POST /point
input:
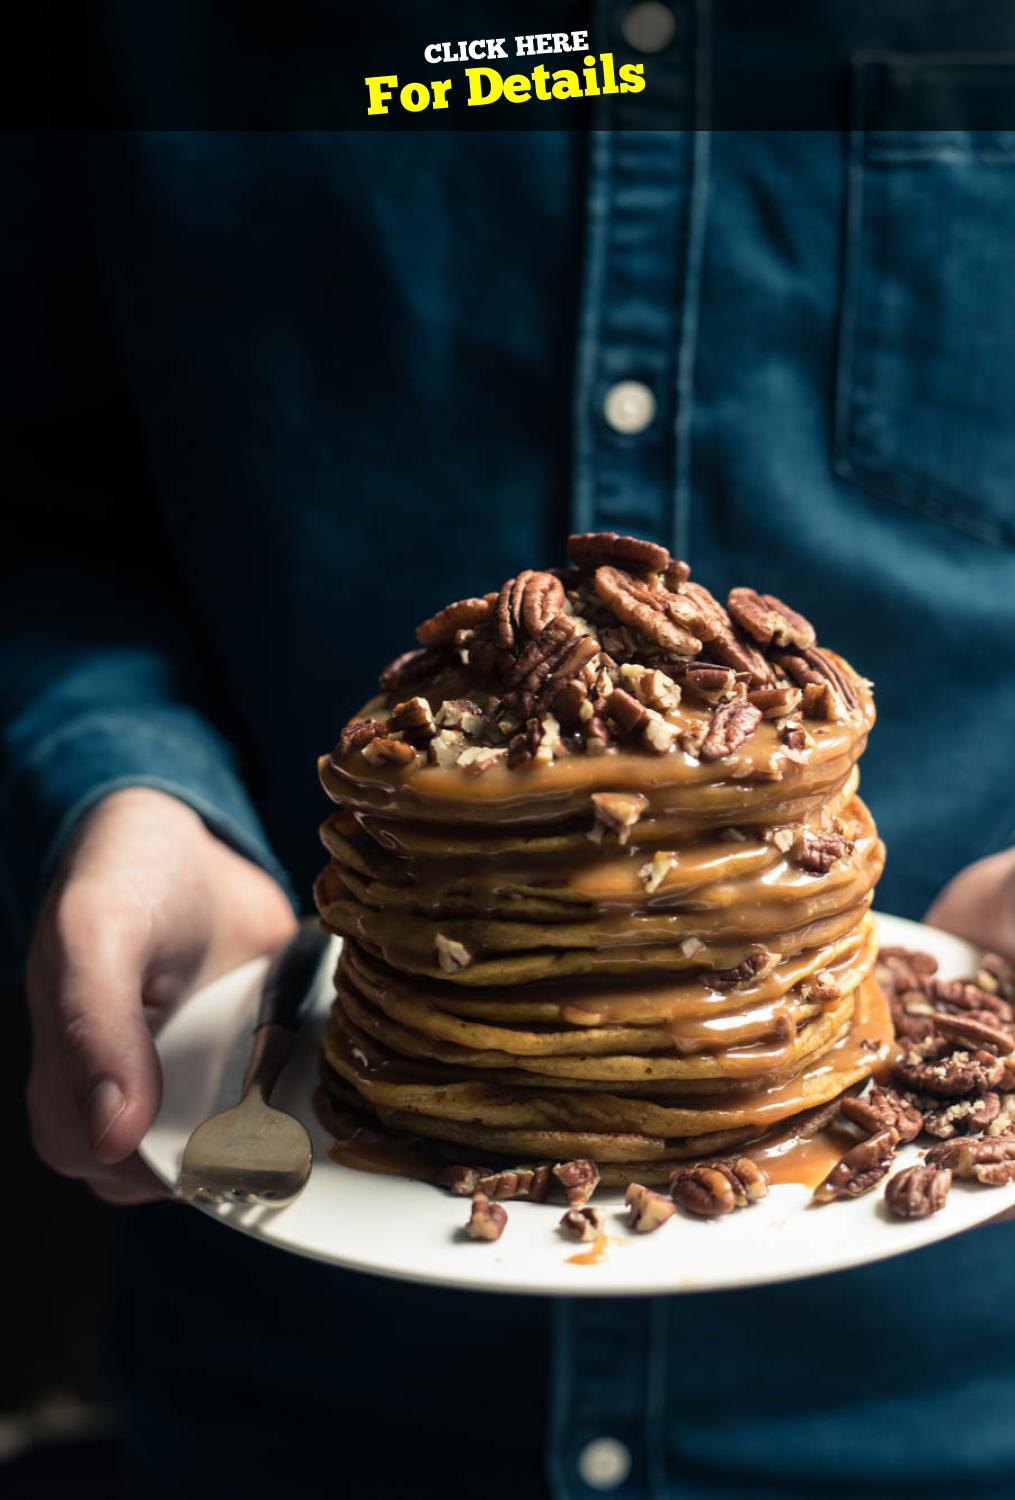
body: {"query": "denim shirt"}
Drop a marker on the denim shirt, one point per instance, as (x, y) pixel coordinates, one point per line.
(281, 395)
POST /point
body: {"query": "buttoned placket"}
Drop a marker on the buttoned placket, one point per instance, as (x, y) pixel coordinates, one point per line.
(646, 201)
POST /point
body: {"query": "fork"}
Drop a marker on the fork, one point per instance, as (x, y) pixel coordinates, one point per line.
(252, 1153)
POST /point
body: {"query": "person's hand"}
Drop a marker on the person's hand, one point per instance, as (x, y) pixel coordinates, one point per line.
(146, 905)
(979, 904)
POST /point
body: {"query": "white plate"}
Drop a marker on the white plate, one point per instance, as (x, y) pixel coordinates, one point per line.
(393, 1227)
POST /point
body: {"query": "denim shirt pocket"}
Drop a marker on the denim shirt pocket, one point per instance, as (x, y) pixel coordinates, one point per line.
(925, 386)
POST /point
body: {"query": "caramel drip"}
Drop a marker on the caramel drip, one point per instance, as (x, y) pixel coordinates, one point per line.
(594, 1255)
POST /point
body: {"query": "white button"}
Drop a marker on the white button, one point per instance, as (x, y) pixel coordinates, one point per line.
(604, 1463)
(629, 406)
(649, 27)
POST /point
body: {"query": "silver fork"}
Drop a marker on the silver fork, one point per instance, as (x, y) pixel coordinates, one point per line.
(252, 1153)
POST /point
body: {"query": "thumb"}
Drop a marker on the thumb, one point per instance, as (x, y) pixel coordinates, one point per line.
(105, 1049)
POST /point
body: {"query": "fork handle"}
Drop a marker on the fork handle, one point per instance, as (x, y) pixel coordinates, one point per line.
(268, 1056)
(284, 993)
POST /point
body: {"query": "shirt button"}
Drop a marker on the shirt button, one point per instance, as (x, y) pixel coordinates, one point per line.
(648, 27)
(629, 406)
(604, 1463)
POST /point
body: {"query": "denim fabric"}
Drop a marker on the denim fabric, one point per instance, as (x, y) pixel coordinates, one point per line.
(282, 395)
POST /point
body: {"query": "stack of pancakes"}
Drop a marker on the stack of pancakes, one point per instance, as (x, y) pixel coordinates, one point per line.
(602, 874)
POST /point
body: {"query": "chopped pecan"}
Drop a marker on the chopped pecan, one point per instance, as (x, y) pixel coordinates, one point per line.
(821, 988)
(710, 683)
(385, 750)
(917, 1192)
(963, 1116)
(579, 1179)
(647, 1210)
(634, 604)
(597, 736)
(860, 1169)
(755, 966)
(705, 1190)
(414, 719)
(452, 956)
(463, 1181)
(795, 737)
(445, 747)
(479, 758)
(732, 724)
(884, 1109)
(414, 666)
(949, 1074)
(768, 620)
(524, 745)
(650, 686)
(990, 1161)
(440, 629)
(654, 872)
(627, 713)
(568, 704)
(619, 811)
(1004, 1124)
(517, 1182)
(590, 549)
(583, 1223)
(818, 852)
(357, 734)
(967, 1031)
(775, 702)
(486, 1220)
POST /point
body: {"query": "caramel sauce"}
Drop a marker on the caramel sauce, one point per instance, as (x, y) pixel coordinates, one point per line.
(595, 1254)
(803, 1159)
(366, 1151)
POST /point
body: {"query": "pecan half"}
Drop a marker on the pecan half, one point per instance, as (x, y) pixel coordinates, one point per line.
(517, 1182)
(704, 1190)
(860, 1169)
(732, 724)
(835, 694)
(884, 1109)
(969, 1032)
(998, 975)
(963, 1117)
(440, 629)
(357, 734)
(767, 620)
(413, 666)
(647, 1210)
(579, 1179)
(917, 1192)
(507, 612)
(637, 606)
(486, 1219)
(583, 1223)
(590, 549)
(960, 995)
(948, 1075)
(990, 1161)
(750, 1180)
(818, 852)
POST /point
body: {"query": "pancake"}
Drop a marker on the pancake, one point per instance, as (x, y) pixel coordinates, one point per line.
(603, 882)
